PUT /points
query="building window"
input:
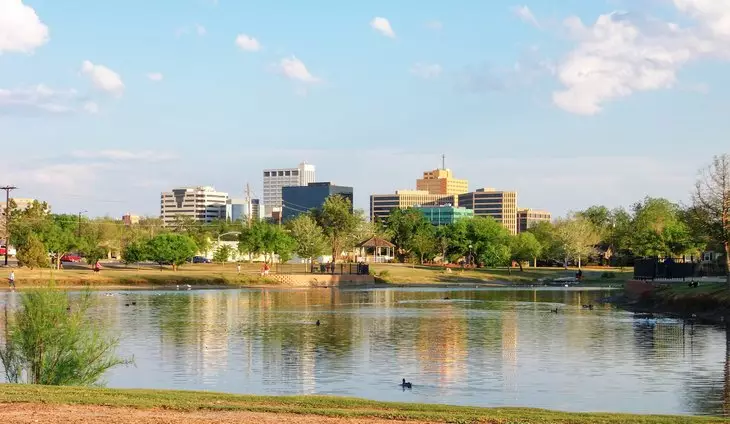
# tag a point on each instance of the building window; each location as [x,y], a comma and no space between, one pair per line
[295,173]
[281,173]
[266,173]
[287,173]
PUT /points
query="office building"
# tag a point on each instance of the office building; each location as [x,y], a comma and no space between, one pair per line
[441,181]
[445,214]
[500,205]
[382,204]
[301,199]
[203,204]
[526,218]
[276,179]
[240,209]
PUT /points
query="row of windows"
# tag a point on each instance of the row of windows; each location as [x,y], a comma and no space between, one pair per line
[294,173]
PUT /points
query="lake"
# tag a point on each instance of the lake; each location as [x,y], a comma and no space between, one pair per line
[480,347]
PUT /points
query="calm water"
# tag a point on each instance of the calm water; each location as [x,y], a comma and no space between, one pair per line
[486,347]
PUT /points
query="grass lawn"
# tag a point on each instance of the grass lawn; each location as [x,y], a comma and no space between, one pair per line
[313,405]
[217,275]
[405,274]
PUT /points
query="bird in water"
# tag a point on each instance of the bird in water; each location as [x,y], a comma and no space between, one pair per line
[406,385]
[317,323]
[555,311]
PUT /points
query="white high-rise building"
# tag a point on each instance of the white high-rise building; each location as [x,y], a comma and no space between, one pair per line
[275,179]
[203,204]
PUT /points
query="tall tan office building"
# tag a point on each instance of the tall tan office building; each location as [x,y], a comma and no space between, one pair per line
[382,204]
[526,218]
[441,181]
[500,205]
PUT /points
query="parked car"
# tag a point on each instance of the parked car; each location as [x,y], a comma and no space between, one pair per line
[70,258]
[200,260]
[3,249]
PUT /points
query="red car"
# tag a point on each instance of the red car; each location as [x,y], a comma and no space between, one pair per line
[70,258]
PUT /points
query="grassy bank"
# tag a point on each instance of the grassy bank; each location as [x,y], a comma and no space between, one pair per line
[408,274]
[313,405]
[709,301]
[216,275]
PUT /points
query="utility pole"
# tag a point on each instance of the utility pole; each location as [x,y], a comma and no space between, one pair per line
[443,161]
[79,229]
[7,189]
[249,205]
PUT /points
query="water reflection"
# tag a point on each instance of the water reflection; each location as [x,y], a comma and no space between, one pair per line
[478,347]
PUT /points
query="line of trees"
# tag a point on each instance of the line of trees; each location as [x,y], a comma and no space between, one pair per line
[650,227]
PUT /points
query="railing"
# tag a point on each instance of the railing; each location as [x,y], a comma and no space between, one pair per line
[333,269]
[679,268]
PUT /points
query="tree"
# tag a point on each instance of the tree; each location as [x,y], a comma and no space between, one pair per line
[525,248]
[711,199]
[52,342]
[544,233]
[33,253]
[337,222]
[490,241]
[194,229]
[135,252]
[577,238]
[277,242]
[423,243]
[171,248]
[308,237]
[442,241]
[657,230]
[223,253]
[403,225]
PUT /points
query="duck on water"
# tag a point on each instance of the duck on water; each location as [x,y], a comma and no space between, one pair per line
[406,385]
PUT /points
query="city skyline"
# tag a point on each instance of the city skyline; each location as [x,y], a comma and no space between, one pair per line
[103,118]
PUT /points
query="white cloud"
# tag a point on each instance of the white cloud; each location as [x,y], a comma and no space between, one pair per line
[621,54]
[524,13]
[248,43]
[426,70]
[40,99]
[155,76]
[123,155]
[91,107]
[200,29]
[103,78]
[295,69]
[435,25]
[21,30]
[382,25]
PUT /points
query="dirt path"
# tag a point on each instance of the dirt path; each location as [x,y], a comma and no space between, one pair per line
[42,414]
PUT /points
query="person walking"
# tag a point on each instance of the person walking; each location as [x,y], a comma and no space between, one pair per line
[238,268]
[11,280]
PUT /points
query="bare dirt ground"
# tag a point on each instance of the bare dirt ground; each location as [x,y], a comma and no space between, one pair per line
[42,414]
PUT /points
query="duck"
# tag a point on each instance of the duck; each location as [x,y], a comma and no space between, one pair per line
[555,311]
[317,323]
[134,303]
[588,307]
[406,385]
[126,304]
[447,298]
[188,286]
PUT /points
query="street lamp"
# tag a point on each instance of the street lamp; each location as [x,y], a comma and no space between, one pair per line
[470,255]
[7,189]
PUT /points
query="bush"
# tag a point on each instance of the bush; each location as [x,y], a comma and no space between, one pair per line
[33,253]
[53,342]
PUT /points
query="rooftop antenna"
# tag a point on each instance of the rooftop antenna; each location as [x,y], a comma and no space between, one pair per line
[443,161]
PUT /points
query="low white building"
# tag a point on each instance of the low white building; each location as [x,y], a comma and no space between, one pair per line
[203,204]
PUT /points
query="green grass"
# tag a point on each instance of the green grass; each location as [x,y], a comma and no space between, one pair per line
[408,274]
[315,405]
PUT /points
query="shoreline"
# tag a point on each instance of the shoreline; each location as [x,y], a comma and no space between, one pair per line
[171,406]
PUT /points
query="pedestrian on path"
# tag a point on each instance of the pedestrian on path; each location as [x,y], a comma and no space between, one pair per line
[238,268]
[11,280]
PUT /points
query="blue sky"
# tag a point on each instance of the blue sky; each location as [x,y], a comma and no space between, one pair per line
[571,103]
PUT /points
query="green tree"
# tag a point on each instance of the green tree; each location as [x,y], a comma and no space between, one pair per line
[576,237]
[33,253]
[443,241]
[544,233]
[423,243]
[194,229]
[53,342]
[170,248]
[135,252]
[223,253]
[711,200]
[337,222]
[657,229]
[403,225]
[251,240]
[525,248]
[308,237]
[490,241]
[278,242]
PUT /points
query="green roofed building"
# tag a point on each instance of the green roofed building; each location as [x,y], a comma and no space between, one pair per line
[445,214]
